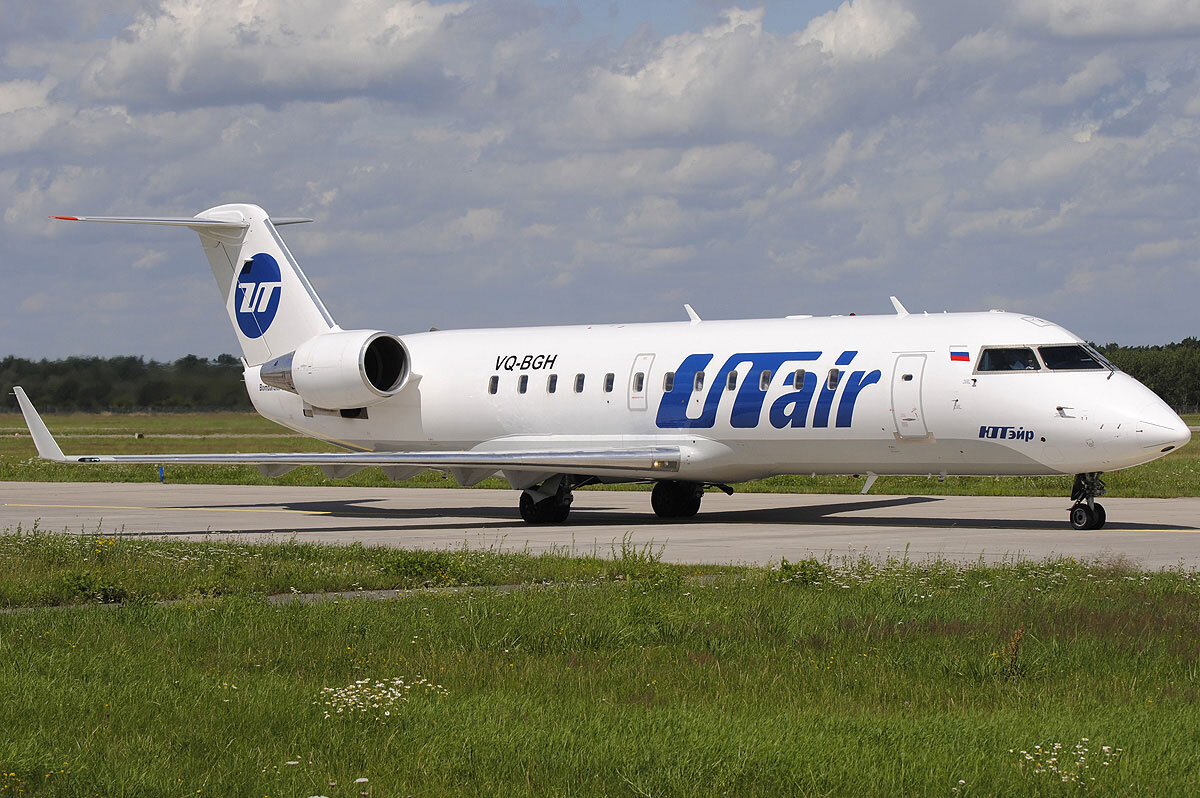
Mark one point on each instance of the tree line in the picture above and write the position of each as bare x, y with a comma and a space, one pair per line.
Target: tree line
125, 384
129, 383
1172, 371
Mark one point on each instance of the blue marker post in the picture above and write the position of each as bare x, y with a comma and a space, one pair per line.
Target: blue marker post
160, 475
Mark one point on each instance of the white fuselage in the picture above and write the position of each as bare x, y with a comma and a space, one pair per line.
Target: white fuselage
901, 403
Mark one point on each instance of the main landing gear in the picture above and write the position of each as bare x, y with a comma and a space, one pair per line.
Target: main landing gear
1087, 513
672, 499
548, 503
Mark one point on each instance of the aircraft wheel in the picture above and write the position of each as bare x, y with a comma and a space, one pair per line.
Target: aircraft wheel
1084, 517
1101, 516
672, 499
528, 507
543, 512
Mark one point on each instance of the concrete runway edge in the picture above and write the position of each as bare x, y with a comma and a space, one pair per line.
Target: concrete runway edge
745, 528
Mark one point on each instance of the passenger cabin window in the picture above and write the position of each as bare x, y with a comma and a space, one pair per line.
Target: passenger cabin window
831, 382
552, 383
698, 383
668, 381
1017, 358
1069, 358
798, 378
522, 383
639, 382
609, 379
493, 384
764, 380
578, 383
731, 381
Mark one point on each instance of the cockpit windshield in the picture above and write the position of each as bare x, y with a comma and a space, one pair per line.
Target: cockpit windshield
1073, 357
1008, 358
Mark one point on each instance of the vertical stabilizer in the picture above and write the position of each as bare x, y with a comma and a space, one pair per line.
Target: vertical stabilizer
270, 302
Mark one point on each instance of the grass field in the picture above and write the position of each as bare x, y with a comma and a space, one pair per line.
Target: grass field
618, 677
1177, 474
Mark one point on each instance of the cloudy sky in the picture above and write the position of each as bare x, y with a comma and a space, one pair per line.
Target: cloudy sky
475, 164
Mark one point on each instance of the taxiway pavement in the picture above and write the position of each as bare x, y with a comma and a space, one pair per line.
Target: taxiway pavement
744, 528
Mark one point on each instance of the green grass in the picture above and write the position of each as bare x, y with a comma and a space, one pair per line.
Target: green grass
43, 569
1177, 474
814, 678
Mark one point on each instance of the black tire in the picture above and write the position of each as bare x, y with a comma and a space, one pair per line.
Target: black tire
555, 515
1083, 517
1101, 516
543, 512
529, 510
671, 499
688, 506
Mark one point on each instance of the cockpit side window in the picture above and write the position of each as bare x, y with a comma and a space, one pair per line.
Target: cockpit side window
1069, 357
1009, 358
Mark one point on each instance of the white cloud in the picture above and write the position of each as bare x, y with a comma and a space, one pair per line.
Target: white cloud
149, 259
986, 45
477, 224
218, 51
37, 303
1153, 250
20, 95
1099, 72
468, 163
861, 29
1111, 18
730, 75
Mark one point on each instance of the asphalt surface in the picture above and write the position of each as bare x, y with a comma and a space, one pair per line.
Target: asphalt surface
744, 528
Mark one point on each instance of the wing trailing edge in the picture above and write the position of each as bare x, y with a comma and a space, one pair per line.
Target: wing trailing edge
649, 459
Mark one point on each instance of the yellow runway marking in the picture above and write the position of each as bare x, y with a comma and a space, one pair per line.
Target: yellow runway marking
179, 509
1105, 531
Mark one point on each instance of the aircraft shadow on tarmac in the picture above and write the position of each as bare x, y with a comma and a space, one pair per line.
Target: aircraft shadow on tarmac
491, 517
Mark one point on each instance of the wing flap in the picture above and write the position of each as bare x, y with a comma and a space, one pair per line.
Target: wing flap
634, 459
655, 458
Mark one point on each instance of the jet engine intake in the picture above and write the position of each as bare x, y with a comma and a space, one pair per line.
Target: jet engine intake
341, 369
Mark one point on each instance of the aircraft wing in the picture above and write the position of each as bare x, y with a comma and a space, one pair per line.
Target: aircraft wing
588, 461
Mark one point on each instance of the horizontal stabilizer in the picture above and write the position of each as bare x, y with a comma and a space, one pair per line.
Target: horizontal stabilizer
195, 222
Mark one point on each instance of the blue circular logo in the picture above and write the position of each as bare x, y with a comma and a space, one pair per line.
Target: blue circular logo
256, 295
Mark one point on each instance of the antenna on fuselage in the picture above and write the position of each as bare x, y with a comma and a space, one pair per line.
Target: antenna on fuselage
900, 309
693, 315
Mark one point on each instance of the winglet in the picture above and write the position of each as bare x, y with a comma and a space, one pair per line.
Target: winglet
900, 310
47, 447
693, 315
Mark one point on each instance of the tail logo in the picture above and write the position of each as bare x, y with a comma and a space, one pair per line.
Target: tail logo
256, 295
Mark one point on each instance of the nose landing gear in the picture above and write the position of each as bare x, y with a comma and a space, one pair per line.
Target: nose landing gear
1087, 513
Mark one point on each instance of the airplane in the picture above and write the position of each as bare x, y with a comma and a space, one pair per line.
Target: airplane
685, 405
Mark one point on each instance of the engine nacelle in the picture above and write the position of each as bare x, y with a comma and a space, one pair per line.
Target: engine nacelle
342, 369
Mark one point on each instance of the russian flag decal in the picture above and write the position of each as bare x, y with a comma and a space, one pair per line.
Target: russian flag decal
959, 353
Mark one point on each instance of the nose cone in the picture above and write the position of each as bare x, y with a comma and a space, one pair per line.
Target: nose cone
1159, 428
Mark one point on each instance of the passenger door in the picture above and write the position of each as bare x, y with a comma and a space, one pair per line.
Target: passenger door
638, 388
907, 411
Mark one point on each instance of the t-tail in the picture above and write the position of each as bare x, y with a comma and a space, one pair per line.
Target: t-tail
288, 338
270, 302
